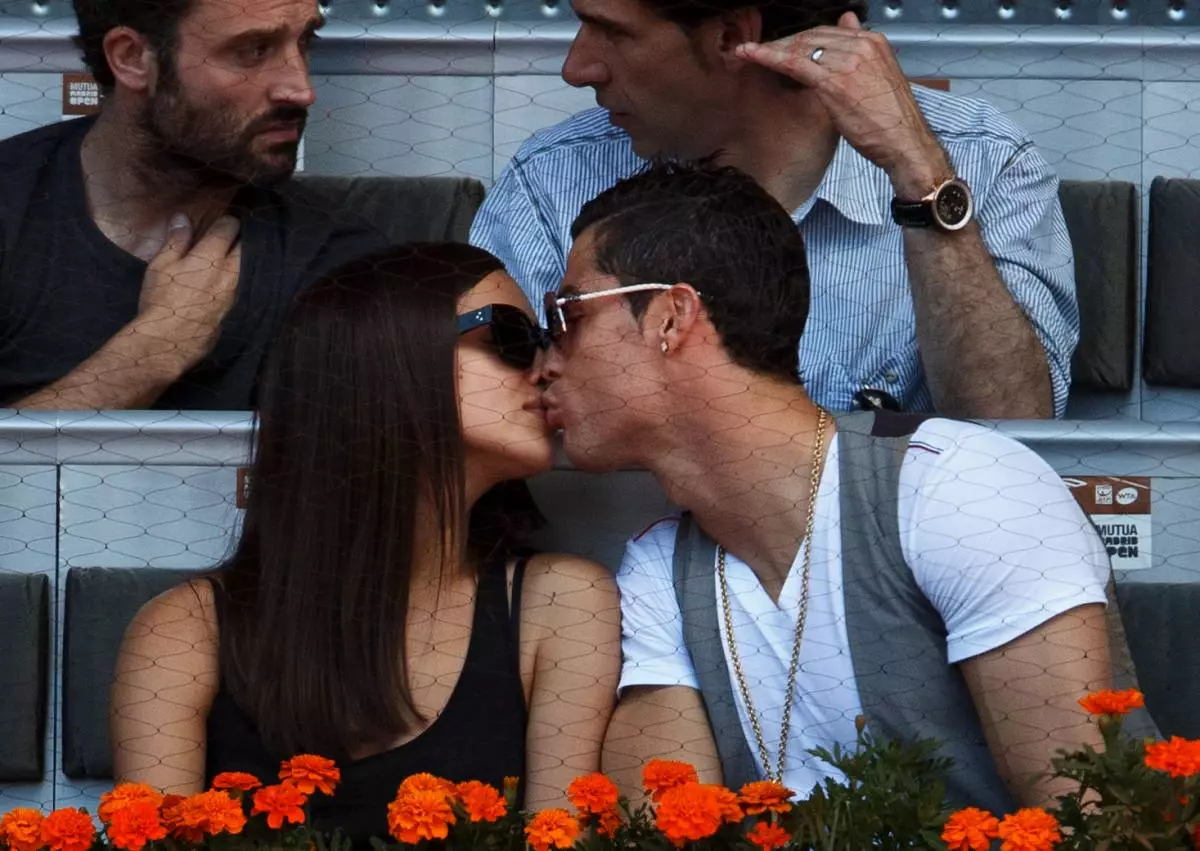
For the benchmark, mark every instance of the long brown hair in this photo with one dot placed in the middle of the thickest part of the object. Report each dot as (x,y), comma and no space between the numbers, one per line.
(357,431)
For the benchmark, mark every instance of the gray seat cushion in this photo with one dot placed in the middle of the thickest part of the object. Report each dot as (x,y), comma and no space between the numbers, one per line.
(24,663)
(1170,356)
(589,515)
(405,209)
(1102,219)
(100,603)
(1163,632)
(593,516)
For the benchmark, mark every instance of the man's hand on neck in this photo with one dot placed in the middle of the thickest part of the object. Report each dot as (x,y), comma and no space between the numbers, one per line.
(131,202)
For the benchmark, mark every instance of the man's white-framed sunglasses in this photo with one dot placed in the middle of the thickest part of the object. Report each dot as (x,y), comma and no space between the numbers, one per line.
(556,321)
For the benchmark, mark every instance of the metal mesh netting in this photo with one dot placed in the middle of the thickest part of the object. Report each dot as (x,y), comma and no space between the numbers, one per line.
(452,89)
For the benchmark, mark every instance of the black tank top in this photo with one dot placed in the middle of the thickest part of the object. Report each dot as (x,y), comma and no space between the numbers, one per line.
(479,736)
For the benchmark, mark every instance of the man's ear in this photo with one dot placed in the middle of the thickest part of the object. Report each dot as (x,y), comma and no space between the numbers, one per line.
(738,26)
(133,61)
(677,317)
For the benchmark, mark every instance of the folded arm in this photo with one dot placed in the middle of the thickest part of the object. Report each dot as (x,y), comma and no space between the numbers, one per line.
(658,722)
(1027,693)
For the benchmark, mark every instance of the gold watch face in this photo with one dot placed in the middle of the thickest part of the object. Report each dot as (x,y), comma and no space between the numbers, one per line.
(952,207)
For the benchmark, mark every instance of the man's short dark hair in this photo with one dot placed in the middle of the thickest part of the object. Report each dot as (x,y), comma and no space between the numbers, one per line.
(717,229)
(781,18)
(156,20)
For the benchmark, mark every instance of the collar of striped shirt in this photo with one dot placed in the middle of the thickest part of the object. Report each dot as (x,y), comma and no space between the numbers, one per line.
(855,187)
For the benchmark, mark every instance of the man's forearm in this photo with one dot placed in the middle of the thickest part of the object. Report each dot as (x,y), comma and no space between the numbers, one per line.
(658,723)
(131,370)
(978,348)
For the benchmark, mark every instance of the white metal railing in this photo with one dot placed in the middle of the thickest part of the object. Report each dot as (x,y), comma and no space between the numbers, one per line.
(202,439)
(1050,39)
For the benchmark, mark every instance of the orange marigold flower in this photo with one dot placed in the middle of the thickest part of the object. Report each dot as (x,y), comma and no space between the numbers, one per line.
(281,802)
(1109,702)
(419,814)
(1179,757)
(594,794)
(768,836)
(731,810)
(196,817)
(764,796)
(552,829)
(68,829)
(971,829)
(695,811)
(608,823)
(136,824)
(1030,829)
(310,774)
(481,801)
(170,813)
(239,780)
(125,794)
(426,782)
(224,814)
(21,829)
(659,775)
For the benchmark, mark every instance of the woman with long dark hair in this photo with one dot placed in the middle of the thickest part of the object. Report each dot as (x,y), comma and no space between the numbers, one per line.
(377,609)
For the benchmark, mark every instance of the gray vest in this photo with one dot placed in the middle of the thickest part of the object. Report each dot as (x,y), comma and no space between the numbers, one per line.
(897,639)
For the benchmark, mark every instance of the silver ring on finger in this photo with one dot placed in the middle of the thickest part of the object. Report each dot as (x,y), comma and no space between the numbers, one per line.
(816,55)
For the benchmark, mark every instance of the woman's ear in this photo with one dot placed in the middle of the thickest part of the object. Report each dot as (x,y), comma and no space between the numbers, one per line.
(134,63)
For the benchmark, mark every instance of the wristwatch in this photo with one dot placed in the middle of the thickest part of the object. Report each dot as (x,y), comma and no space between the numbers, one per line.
(948,207)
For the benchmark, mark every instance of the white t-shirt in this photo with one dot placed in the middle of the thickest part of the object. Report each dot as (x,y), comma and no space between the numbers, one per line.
(994,539)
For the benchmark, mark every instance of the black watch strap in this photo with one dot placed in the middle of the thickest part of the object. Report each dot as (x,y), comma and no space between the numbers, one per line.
(912,214)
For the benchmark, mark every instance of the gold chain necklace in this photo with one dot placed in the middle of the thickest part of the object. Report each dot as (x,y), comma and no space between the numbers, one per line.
(818,465)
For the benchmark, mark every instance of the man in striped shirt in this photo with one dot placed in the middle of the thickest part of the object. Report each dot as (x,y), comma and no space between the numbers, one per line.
(941,266)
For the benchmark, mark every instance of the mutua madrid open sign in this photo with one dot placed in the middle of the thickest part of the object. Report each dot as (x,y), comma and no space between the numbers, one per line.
(1120,508)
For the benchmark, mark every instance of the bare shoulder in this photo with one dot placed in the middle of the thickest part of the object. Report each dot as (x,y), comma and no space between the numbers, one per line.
(185,615)
(562,587)
(166,677)
(561,573)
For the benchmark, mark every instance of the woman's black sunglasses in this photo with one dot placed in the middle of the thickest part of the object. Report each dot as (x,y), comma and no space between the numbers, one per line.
(516,338)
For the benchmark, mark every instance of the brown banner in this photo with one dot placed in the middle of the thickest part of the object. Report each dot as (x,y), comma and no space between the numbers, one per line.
(1111,494)
(243,486)
(80,95)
